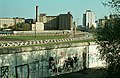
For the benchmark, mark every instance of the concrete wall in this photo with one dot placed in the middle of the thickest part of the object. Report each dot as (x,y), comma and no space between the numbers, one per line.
(94,57)
(39,26)
(42,32)
(38,62)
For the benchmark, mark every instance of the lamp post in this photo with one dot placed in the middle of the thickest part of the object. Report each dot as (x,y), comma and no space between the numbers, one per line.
(35,31)
(88,54)
(77,21)
(74,28)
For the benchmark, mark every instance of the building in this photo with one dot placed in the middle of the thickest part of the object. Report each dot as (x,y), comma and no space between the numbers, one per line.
(65,21)
(102,22)
(6,22)
(89,19)
(50,22)
(60,22)
(43,17)
(84,19)
(38,26)
(30,21)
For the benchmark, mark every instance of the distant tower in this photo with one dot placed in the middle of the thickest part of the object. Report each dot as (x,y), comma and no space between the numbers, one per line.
(84,19)
(89,18)
(37,15)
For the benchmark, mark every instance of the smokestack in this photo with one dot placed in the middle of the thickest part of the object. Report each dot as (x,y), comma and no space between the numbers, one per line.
(37,19)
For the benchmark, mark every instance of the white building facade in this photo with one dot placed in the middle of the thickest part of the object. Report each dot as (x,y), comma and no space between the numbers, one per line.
(6,22)
(89,19)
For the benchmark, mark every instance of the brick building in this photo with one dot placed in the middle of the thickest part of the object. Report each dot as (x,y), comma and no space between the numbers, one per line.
(60,22)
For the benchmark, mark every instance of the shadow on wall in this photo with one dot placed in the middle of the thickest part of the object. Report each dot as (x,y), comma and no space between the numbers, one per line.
(52,24)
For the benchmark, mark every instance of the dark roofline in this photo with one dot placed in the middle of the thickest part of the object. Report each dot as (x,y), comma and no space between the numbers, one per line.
(66,14)
(58,15)
(51,16)
(11,18)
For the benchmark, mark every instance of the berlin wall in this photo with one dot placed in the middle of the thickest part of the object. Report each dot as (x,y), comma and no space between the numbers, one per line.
(46,61)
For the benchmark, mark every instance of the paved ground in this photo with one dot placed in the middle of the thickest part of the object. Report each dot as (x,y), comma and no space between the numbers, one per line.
(89,73)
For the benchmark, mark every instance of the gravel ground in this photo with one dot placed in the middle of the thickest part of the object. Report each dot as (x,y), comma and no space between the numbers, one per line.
(88,73)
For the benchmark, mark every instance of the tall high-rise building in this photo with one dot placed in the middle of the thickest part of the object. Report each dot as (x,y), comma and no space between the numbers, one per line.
(84,19)
(89,19)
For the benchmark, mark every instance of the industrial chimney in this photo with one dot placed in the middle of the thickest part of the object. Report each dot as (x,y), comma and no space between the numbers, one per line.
(38,26)
(37,16)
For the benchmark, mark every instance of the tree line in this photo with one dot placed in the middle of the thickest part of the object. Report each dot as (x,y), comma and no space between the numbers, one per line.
(108,37)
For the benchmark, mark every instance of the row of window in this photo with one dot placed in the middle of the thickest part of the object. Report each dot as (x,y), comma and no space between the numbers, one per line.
(6,21)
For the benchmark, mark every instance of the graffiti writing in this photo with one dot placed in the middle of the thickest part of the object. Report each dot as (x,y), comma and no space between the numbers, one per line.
(4,72)
(22,71)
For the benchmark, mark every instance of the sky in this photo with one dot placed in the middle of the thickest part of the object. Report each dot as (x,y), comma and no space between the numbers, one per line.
(26,8)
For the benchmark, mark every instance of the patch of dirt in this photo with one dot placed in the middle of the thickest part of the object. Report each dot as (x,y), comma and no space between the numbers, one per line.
(89,73)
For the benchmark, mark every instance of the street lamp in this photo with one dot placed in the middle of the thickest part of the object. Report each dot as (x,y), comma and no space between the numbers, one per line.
(77,21)
(74,28)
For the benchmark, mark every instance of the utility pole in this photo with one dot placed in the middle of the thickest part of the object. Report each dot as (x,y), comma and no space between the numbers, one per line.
(77,21)
(74,28)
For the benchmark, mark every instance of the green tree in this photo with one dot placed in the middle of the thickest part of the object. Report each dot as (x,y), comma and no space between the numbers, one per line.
(11,27)
(21,27)
(5,25)
(108,38)
(25,27)
(114,5)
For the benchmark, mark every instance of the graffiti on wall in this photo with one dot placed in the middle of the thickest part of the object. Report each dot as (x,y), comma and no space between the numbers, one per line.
(4,72)
(38,64)
(22,71)
(94,57)
(66,61)
(34,69)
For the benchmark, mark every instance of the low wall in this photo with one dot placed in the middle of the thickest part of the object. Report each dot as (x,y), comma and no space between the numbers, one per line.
(38,42)
(44,61)
(42,32)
